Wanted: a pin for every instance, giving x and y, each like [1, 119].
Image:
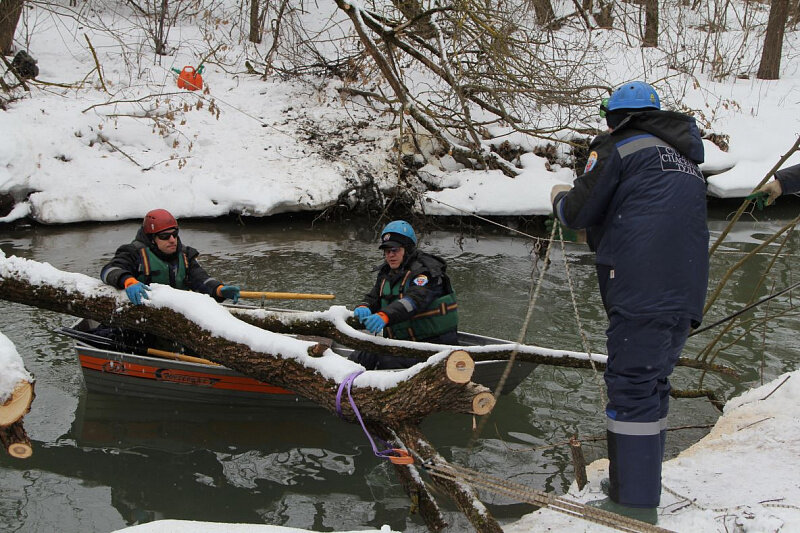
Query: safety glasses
[165, 235]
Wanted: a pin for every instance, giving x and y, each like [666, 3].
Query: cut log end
[17, 405]
[15, 441]
[20, 450]
[483, 403]
[459, 367]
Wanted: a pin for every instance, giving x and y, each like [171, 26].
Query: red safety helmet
[158, 220]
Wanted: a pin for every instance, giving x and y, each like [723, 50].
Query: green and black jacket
[417, 298]
[142, 260]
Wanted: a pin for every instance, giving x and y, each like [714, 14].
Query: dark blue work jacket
[642, 200]
[790, 179]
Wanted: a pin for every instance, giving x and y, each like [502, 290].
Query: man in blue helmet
[642, 200]
[412, 298]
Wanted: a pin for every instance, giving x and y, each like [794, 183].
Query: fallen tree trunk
[17, 402]
[462, 494]
[441, 386]
[428, 391]
[12, 432]
[315, 323]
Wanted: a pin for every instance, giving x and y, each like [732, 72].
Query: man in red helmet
[157, 255]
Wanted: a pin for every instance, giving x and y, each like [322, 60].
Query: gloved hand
[136, 292]
[561, 187]
[361, 312]
[568, 234]
[230, 291]
[773, 189]
[375, 323]
[759, 198]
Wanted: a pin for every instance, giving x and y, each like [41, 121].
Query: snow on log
[340, 327]
[209, 330]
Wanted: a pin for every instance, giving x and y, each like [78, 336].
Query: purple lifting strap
[348, 382]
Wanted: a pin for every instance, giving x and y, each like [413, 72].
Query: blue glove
[230, 291]
[374, 323]
[137, 292]
[361, 312]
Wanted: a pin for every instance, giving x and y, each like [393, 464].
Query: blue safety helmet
[398, 233]
[634, 95]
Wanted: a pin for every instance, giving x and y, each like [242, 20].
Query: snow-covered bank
[248, 146]
[740, 477]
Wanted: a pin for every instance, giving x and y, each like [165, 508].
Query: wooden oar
[180, 357]
[111, 344]
[285, 295]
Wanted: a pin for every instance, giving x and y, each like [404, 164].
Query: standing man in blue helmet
[412, 298]
[642, 200]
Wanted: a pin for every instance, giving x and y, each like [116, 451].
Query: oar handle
[180, 357]
[285, 295]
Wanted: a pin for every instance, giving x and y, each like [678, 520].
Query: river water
[102, 463]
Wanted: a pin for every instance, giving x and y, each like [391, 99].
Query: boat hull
[151, 377]
[114, 372]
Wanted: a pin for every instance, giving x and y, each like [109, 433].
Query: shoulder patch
[591, 162]
[421, 280]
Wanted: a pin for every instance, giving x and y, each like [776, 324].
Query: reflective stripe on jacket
[642, 199]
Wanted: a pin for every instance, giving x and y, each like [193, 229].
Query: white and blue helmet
[398, 233]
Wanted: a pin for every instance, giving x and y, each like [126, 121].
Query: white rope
[584, 338]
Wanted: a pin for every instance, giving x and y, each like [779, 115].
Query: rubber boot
[643, 514]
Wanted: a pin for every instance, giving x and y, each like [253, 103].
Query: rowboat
[111, 369]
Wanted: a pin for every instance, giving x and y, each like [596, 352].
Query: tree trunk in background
[255, 25]
[604, 15]
[770, 66]
[650, 23]
[794, 13]
[10, 11]
[544, 11]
